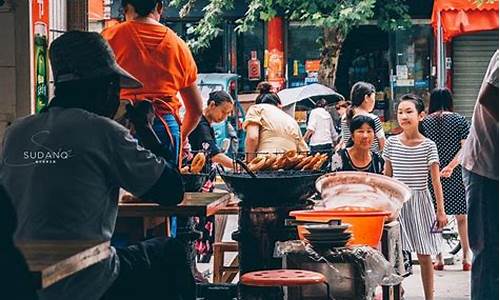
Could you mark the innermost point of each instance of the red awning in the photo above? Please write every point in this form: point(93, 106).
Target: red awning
point(464, 16)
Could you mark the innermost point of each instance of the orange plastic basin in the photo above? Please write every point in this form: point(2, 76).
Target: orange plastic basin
point(366, 226)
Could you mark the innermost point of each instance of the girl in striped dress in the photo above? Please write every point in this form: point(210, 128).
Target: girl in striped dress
point(410, 158)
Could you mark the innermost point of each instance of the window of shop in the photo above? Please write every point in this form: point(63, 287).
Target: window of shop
point(365, 57)
point(250, 68)
point(303, 54)
point(411, 51)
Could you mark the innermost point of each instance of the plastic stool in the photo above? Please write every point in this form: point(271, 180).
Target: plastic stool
point(284, 277)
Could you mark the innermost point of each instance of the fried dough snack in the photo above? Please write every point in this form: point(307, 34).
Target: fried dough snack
point(257, 163)
point(304, 162)
point(320, 163)
point(311, 163)
point(270, 160)
point(198, 163)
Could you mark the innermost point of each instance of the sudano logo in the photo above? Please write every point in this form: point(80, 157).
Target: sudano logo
point(42, 155)
point(46, 156)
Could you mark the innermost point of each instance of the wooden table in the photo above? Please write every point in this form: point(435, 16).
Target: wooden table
point(52, 261)
point(152, 215)
point(193, 204)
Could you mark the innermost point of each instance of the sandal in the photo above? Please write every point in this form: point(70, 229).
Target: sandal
point(438, 266)
point(466, 266)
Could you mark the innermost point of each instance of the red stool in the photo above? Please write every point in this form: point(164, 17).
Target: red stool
point(284, 277)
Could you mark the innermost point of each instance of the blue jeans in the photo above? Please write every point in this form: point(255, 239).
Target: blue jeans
point(175, 130)
point(482, 217)
point(174, 149)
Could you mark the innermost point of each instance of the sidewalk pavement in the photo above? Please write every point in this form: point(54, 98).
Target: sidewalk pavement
point(450, 284)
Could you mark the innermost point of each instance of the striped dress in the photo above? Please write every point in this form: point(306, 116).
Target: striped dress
point(379, 132)
point(410, 165)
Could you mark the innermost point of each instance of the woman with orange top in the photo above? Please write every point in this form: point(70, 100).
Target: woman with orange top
point(155, 55)
point(163, 62)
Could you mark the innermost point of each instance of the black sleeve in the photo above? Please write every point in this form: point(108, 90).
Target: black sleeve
point(203, 134)
point(168, 189)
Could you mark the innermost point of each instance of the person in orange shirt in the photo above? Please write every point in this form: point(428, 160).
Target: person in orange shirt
point(161, 60)
point(155, 55)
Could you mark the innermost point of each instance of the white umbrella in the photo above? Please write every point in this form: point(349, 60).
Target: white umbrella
point(294, 95)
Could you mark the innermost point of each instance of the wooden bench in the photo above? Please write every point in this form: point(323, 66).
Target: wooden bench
point(222, 273)
point(52, 261)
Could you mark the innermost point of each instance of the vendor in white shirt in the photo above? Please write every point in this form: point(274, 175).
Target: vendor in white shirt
point(321, 132)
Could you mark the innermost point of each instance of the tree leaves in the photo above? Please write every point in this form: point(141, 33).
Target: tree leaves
point(338, 16)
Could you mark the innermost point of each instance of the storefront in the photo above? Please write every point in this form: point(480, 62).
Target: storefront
point(471, 55)
point(466, 38)
point(395, 62)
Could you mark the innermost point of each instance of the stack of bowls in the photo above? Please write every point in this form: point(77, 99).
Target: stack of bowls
point(326, 236)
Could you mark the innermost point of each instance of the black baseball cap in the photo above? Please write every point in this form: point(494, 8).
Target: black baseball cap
point(80, 55)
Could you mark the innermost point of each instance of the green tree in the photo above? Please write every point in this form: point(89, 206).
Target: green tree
point(336, 18)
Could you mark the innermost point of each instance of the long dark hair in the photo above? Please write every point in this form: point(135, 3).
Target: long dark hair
point(356, 123)
point(441, 100)
point(142, 7)
point(358, 92)
point(266, 96)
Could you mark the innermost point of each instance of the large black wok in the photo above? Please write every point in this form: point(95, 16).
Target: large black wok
point(272, 188)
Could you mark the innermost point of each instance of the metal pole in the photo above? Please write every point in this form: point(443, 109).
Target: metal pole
point(441, 54)
point(439, 41)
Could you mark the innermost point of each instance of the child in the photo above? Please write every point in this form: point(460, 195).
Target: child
point(410, 157)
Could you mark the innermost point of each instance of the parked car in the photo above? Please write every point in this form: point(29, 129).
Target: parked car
point(231, 129)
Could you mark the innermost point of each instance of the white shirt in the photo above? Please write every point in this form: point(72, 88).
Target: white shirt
point(480, 152)
point(321, 123)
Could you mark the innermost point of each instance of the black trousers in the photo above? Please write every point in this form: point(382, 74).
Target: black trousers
point(323, 148)
point(154, 269)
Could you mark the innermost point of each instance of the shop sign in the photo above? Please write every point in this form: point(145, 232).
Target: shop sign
point(295, 68)
point(275, 67)
point(421, 84)
point(402, 71)
point(310, 80)
point(312, 65)
point(40, 26)
point(254, 67)
point(405, 82)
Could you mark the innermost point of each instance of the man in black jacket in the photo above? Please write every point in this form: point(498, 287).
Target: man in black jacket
point(64, 166)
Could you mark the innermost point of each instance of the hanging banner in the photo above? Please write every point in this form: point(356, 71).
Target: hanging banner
point(312, 65)
point(40, 25)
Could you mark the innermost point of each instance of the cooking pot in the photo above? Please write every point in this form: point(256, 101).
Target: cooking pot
point(361, 189)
